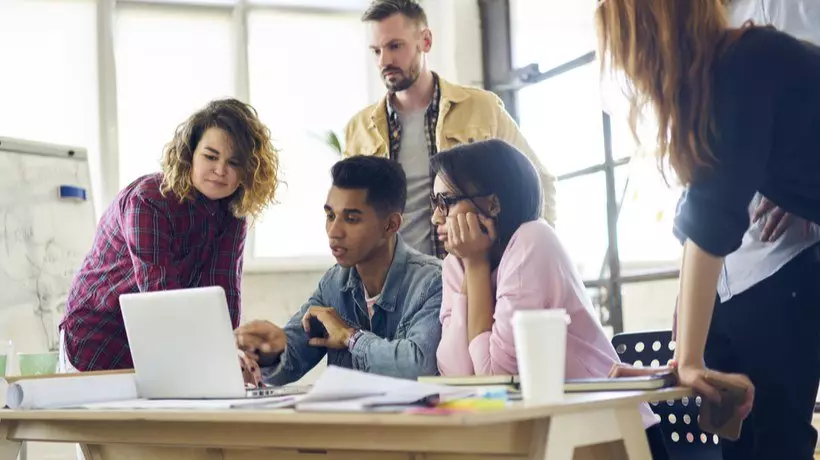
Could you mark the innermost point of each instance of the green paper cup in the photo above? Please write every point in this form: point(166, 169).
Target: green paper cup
point(2, 365)
point(37, 363)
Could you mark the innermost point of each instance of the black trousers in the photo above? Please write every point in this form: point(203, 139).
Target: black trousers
point(657, 445)
point(771, 333)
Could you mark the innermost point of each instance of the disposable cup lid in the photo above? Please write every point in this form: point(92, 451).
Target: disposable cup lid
point(551, 313)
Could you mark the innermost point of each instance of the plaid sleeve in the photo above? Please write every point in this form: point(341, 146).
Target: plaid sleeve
point(147, 232)
point(229, 262)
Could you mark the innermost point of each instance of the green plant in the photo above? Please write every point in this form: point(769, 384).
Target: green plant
point(332, 140)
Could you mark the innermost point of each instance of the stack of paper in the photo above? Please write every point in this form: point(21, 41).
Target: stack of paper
point(343, 390)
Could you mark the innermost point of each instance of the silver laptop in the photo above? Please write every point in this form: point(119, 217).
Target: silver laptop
point(183, 346)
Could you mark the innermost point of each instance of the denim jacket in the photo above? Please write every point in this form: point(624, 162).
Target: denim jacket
point(405, 328)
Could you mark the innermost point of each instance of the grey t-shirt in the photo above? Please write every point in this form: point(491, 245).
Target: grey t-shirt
point(414, 157)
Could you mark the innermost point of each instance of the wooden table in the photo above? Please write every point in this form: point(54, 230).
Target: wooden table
point(592, 425)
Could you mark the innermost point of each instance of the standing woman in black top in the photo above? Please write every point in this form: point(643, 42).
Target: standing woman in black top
point(738, 111)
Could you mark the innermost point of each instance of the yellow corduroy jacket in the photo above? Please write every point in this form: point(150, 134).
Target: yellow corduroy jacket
point(466, 114)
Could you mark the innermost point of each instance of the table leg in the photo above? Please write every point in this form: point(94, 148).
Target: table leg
point(9, 449)
point(582, 435)
point(633, 434)
point(140, 452)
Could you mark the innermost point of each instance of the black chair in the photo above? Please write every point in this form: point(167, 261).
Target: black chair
point(679, 419)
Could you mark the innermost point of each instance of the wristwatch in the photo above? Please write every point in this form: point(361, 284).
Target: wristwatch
point(351, 341)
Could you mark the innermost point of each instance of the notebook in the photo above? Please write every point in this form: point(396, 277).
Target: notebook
point(644, 383)
point(473, 380)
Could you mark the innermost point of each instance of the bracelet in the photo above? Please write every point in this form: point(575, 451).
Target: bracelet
point(351, 342)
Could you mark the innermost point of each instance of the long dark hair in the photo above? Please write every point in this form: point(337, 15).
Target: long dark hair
point(494, 167)
point(667, 49)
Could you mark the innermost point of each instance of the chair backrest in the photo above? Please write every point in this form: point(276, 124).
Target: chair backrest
point(679, 419)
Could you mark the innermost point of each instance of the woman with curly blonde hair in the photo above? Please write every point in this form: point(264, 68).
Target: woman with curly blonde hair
point(738, 113)
point(183, 227)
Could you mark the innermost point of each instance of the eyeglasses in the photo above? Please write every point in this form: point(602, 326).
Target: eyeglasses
point(443, 202)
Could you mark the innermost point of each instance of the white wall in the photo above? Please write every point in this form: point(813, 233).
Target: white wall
point(456, 52)
point(649, 305)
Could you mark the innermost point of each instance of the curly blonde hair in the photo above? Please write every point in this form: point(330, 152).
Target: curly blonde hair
point(258, 159)
point(667, 49)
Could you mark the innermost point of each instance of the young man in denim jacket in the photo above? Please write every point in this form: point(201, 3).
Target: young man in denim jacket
point(377, 309)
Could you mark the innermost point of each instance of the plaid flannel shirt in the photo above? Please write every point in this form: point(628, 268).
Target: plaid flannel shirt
point(148, 242)
point(431, 119)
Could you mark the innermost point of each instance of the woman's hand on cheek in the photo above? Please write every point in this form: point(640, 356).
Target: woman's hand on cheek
point(467, 240)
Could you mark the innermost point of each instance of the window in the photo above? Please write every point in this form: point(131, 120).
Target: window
point(170, 62)
point(561, 118)
point(308, 76)
point(551, 32)
point(561, 115)
point(345, 5)
point(48, 81)
point(645, 239)
point(582, 224)
point(306, 72)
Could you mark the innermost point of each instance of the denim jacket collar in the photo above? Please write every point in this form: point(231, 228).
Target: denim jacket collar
point(395, 277)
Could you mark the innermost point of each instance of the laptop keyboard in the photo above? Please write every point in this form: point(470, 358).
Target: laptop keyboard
point(278, 391)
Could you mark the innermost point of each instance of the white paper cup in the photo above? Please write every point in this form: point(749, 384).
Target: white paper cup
point(540, 347)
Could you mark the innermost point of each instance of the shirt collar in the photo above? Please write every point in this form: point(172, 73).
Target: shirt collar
point(392, 112)
point(395, 277)
point(210, 206)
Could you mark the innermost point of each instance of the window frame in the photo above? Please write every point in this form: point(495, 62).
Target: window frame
point(240, 11)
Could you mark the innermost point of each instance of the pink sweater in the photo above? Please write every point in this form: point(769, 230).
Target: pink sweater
point(535, 272)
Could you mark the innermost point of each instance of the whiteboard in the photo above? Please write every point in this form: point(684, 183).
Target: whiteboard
point(43, 237)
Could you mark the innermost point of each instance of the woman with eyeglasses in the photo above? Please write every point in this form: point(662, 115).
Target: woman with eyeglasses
point(502, 257)
point(737, 112)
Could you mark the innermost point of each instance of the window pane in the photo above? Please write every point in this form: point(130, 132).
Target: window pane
point(616, 104)
point(347, 5)
point(48, 81)
point(582, 220)
point(561, 118)
point(645, 239)
point(194, 2)
point(309, 74)
point(551, 32)
point(170, 63)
